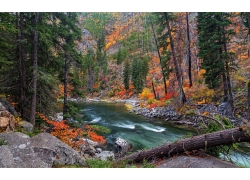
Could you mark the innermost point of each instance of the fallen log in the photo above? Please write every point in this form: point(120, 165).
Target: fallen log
point(224, 137)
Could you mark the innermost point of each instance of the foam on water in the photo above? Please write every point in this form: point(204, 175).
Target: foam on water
point(95, 120)
point(155, 128)
point(128, 126)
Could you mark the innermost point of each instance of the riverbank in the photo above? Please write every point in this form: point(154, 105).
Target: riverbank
point(166, 113)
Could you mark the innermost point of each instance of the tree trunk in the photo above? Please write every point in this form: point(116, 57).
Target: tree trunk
point(248, 32)
point(230, 94)
point(248, 100)
point(153, 86)
point(65, 90)
point(189, 53)
point(156, 42)
point(34, 76)
point(224, 137)
point(176, 66)
point(21, 65)
point(225, 89)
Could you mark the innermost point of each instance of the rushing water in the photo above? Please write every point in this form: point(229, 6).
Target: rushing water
point(139, 131)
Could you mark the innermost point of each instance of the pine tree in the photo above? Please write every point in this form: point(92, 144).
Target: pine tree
point(119, 57)
point(137, 74)
point(213, 37)
point(126, 74)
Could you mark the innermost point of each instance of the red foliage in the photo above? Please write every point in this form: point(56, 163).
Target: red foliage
point(64, 132)
point(152, 105)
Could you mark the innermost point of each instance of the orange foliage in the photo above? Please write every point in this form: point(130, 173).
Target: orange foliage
point(64, 132)
point(93, 136)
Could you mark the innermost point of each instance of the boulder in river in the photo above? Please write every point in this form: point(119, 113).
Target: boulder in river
point(121, 147)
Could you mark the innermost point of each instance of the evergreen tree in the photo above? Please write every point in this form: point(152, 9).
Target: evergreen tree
point(137, 74)
point(213, 37)
point(126, 74)
point(119, 57)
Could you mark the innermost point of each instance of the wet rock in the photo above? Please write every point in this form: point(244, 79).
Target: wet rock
point(121, 147)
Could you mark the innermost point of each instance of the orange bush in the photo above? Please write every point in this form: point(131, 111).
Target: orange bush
point(93, 136)
point(70, 136)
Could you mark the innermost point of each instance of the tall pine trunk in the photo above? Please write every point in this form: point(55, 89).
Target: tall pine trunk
point(189, 53)
point(248, 100)
point(65, 90)
point(21, 64)
point(156, 42)
point(248, 32)
point(34, 75)
point(176, 66)
point(153, 86)
point(230, 94)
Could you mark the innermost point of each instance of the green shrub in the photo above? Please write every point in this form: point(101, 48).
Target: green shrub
point(3, 142)
point(97, 163)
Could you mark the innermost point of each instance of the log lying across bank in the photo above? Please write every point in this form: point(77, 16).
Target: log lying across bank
point(224, 137)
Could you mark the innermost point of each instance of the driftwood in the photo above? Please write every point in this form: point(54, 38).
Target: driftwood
point(224, 137)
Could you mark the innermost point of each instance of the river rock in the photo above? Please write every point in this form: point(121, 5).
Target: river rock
point(225, 109)
point(105, 155)
point(121, 147)
point(28, 127)
point(98, 150)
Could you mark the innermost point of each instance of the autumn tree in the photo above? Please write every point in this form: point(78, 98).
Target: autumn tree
point(176, 64)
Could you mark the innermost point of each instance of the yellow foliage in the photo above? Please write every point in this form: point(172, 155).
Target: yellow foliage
point(201, 72)
point(151, 100)
point(203, 94)
point(145, 93)
point(159, 103)
point(128, 106)
point(108, 45)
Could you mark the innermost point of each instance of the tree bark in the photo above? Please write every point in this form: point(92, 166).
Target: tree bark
point(156, 42)
point(65, 90)
point(248, 32)
point(34, 76)
point(177, 71)
point(153, 86)
point(230, 94)
point(204, 141)
point(189, 54)
point(248, 100)
point(21, 64)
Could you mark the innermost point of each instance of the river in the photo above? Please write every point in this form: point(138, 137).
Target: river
point(141, 132)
